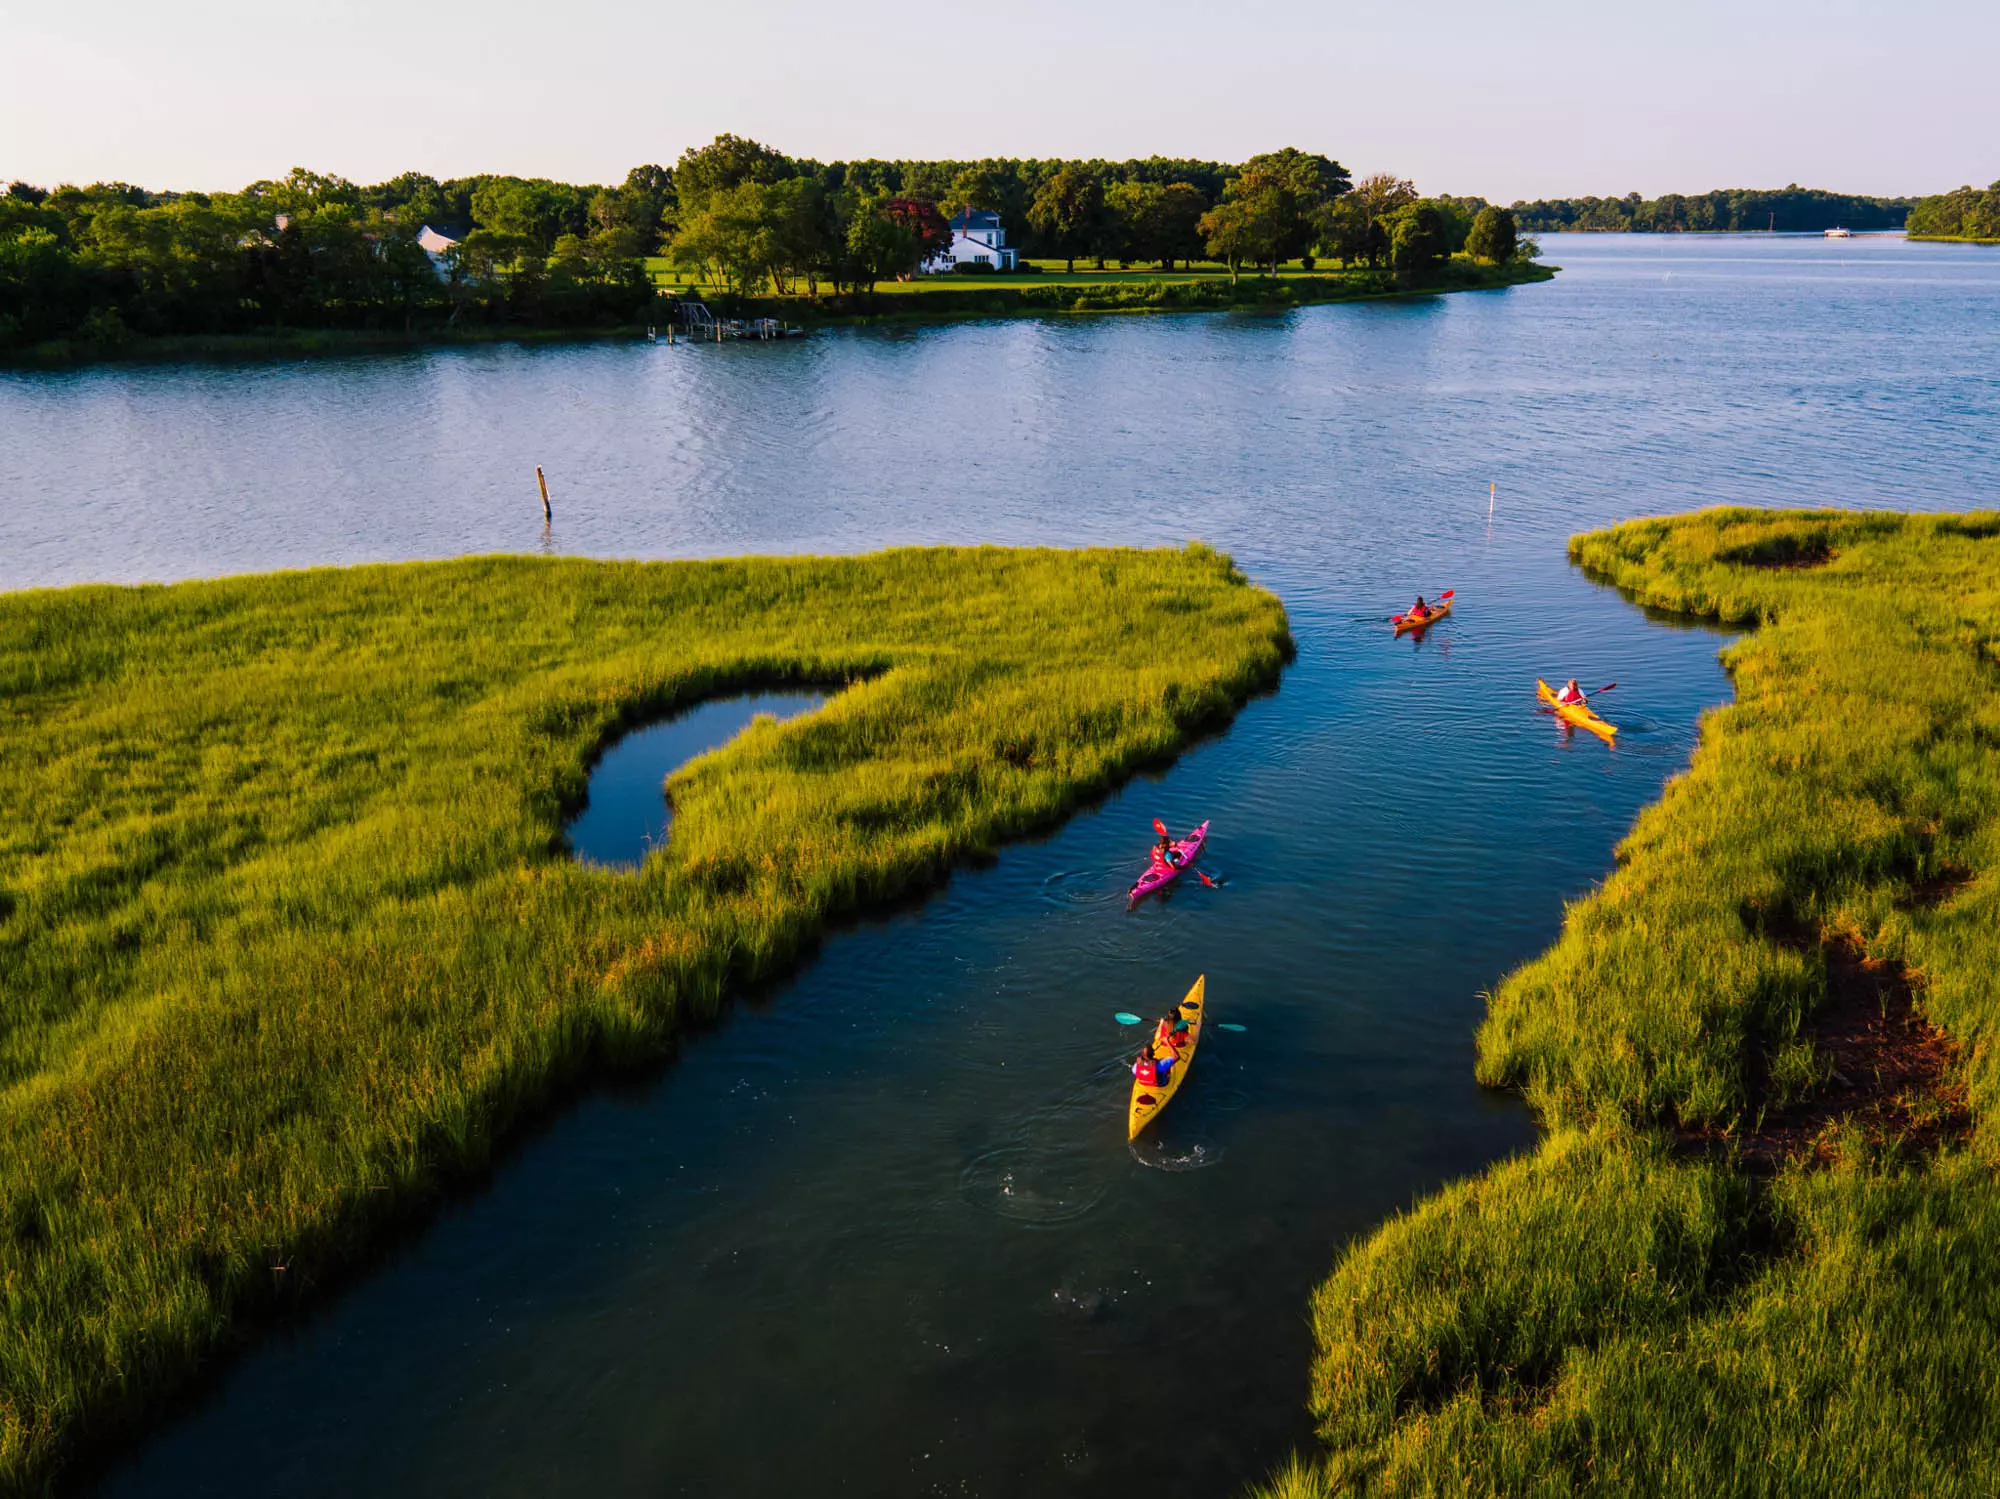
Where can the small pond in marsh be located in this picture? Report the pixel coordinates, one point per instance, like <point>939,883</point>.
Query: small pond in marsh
<point>880,1231</point>
<point>627,814</point>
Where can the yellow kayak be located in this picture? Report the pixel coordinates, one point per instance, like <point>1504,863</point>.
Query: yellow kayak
<point>1437,613</point>
<point>1575,713</point>
<point>1147,1102</point>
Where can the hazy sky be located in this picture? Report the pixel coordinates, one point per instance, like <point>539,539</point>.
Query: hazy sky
<point>1524,98</point>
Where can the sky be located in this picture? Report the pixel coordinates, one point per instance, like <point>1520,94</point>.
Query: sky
<point>1524,99</point>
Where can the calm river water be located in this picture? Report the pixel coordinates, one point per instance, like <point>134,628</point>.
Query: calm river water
<point>880,1232</point>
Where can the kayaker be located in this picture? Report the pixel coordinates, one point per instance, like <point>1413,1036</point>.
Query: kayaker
<point>1172,1032</point>
<point>1418,610</point>
<point>1163,851</point>
<point>1572,695</point>
<point>1145,1069</point>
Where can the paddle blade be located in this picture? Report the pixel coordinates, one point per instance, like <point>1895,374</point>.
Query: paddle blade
<point>1605,688</point>
<point>1126,1017</point>
<point>1159,827</point>
<point>1448,593</point>
<point>1206,880</point>
<point>1395,619</point>
<point>1225,1025</point>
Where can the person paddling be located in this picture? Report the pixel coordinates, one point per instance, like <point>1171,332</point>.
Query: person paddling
<point>1173,1031</point>
<point>1418,610</point>
<point>1163,851</point>
<point>1145,1070</point>
<point>1572,695</point>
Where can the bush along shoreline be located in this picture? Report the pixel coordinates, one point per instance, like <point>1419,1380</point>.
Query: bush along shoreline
<point>1753,1253</point>
<point>290,942</point>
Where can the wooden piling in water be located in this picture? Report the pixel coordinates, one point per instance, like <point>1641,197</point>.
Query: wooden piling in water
<point>547,514</point>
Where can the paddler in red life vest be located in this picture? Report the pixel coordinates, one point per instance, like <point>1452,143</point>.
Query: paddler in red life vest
<point>1147,1071</point>
<point>1572,695</point>
<point>1163,851</point>
<point>1418,611</point>
<point>1172,1031</point>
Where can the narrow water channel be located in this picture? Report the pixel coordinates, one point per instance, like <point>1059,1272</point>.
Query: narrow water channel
<point>880,1231</point>
<point>626,816</point>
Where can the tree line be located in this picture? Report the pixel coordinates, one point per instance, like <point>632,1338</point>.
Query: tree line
<point>748,216</point>
<point>112,261</point>
<point>1792,209</point>
<point>1968,213</point>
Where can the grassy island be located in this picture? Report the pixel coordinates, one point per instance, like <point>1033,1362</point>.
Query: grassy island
<point>1753,1255</point>
<point>289,939</point>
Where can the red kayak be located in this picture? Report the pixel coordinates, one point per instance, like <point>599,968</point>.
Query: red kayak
<point>1163,872</point>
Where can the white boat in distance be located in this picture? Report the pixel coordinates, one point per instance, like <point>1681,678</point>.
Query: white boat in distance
<point>1840,233</point>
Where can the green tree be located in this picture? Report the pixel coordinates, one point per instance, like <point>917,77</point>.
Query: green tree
<point>1068,212</point>
<point>1419,242</point>
<point>730,238</point>
<point>1313,181</point>
<point>727,161</point>
<point>1494,235</point>
<point>531,208</point>
<point>983,185</point>
<point>1252,228</point>
<point>644,199</point>
<point>1355,228</point>
<point>878,247</point>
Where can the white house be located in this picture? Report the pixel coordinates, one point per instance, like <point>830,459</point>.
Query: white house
<point>976,239</point>
<point>439,248</point>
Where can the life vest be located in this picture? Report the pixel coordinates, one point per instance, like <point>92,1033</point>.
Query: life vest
<point>1564,697</point>
<point>1147,1072</point>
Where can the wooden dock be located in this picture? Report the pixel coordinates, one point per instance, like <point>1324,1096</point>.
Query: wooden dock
<point>696,322</point>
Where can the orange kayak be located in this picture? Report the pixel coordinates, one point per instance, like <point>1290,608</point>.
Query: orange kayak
<point>1406,624</point>
<point>1578,714</point>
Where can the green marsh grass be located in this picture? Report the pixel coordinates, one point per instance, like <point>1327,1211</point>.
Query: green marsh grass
<point>289,938</point>
<point>1628,1309</point>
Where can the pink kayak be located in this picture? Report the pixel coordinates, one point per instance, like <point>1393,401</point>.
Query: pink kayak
<point>1161,873</point>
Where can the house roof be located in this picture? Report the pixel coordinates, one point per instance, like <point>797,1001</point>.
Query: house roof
<point>434,242</point>
<point>975,218</point>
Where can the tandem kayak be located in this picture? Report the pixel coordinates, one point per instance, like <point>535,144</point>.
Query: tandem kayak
<point>1160,873</point>
<point>1147,1102</point>
<point>1579,714</point>
<point>1404,623</point>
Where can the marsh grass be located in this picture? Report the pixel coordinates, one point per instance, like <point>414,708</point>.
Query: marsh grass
<point>1615,1313</point>
<point>289,938</point>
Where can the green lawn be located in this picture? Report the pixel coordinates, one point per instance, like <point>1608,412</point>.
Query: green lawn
<point>289,940</point>
<point>1754,1254</point>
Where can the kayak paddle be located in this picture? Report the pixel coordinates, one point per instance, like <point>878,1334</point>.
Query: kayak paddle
<point>1126,1017</point>
<point>1225,1025</point>
<point>1159,827</point>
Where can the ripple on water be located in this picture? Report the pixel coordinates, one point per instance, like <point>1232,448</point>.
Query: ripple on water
<point>1052,1168</point>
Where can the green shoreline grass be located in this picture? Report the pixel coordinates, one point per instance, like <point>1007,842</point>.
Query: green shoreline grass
<point>289,942</point>
<point>1627,1309</point>
<point>960,298</point>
